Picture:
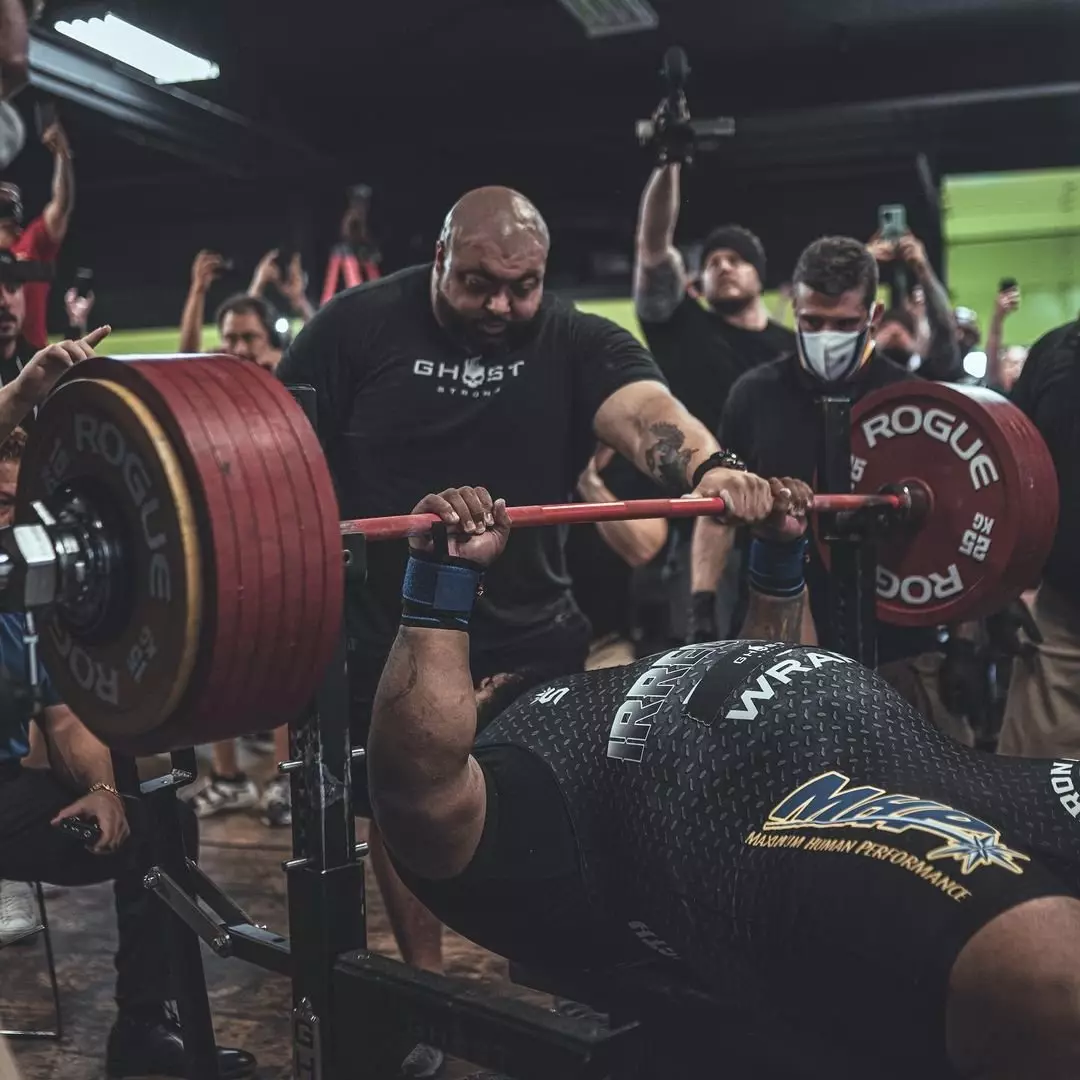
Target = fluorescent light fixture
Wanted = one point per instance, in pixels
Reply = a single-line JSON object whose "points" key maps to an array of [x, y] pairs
{"points": [[162, 61], [602, 18], [975, 364]]}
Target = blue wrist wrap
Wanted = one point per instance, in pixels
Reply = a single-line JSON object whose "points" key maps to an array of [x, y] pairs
{"points": [[776, 567], [439, 593]]}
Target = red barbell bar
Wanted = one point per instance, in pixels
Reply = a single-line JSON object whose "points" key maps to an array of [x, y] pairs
{"points": [[395, 528]]}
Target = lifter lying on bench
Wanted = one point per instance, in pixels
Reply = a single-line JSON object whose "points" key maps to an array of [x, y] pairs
{"points": [[775, 819]]}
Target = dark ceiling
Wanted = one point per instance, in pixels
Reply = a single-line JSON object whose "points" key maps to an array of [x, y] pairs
{"points": [[834, 100], [501, 81]]}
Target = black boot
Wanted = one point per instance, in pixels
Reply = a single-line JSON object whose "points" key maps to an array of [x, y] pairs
{"points": [[152, 1046]]}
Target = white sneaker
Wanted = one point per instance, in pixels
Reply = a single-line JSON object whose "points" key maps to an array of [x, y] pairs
{"points": [[277, 803], [18, 915], [423, 1062], [222, 796]]}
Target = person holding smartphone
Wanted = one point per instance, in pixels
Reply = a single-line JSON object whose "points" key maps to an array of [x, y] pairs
{"points": [[1003, 365], [41, 239], [896, 247]]}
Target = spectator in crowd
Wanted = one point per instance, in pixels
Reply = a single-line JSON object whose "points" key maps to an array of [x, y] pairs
{"points": [[1010, 366], [1003, 365], [292, 284], [705, 337], [79, 782], [40, 241], [897, 337], [901, 343], [77, 309], [771, 421], [1042, 714], [248, 324], [968, 331], [15, 350]]}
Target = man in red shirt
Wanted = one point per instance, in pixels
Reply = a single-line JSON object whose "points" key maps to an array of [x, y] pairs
{"points": [[40, 241]]}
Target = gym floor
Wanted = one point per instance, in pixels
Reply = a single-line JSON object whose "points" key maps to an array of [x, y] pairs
{"points": [[251, 1007]]}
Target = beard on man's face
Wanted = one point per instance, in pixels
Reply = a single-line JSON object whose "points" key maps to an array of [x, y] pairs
{"points": [[503, 336], [10, 327], [732, 305]]}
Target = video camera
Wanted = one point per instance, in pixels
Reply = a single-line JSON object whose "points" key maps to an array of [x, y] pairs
{"points": [[671, 134]]}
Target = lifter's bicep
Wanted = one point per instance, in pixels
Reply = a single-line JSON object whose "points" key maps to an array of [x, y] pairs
{"points": [[436, 836]]}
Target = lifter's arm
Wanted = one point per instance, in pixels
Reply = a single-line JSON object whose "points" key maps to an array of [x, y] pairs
{"points": [[427, 790], [773, 617], [659, 274]]}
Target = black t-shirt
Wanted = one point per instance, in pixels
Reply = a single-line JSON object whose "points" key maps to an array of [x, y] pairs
{"points": [[771, 420], [403, 410], [1048, 391], [702, 355]]}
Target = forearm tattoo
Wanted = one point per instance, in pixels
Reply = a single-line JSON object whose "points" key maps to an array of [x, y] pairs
{"points": [[772, 618], [666, 459], [658, 291]]}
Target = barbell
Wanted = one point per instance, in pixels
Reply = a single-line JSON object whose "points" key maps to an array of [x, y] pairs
{"points": [[177, 527]]}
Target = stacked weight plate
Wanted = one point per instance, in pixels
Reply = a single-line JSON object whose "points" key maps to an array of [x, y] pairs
{"points": [[254, 570]]}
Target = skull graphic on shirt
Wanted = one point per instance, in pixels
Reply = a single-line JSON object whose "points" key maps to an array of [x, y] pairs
{"points": [[474, 373]]}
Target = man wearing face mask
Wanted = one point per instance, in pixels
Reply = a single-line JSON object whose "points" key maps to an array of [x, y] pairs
{"points": [[772, 422]]}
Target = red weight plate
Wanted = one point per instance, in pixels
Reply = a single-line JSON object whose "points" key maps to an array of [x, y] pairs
{"points": [[322, 533], [317, 621], [124, 661], [258, 594], [205, 440], [994, 494], [296, 630], [322, 564], [269, 497]]}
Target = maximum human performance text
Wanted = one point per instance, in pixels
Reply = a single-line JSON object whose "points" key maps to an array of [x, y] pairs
{"points": [[918, 867]]}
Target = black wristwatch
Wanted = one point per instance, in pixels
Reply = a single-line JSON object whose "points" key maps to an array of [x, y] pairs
{"points": [[722, 459]]}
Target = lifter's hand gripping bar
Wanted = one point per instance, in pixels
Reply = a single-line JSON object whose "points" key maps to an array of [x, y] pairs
{"points": [[395, 528]]}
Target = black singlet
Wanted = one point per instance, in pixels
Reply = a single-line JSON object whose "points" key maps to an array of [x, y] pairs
{"points": [[775, 819]]}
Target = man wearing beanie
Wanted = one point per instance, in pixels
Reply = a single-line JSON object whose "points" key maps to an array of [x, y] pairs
{"points": [[703, 336]]}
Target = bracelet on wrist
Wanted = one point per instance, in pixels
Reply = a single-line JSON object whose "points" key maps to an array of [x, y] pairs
{"points": [[105, 787], [722, 459], [438, 593], [776, 567]]}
